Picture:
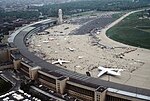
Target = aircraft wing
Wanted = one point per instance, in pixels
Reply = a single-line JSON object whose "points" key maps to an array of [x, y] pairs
{"points": [[101, 73], [113, 73], [113, 69], [101, 68], [65, 61], [54, 62]]}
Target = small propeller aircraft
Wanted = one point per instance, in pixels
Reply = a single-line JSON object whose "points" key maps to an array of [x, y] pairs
{"points": [[59, 61], [111, 71]]}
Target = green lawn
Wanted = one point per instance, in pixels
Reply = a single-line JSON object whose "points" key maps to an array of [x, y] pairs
{"points": [[132, 31]]}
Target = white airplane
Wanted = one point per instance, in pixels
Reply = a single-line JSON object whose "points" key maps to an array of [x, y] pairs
{"points": [[60, 61], [111, 71], [45, 41]]}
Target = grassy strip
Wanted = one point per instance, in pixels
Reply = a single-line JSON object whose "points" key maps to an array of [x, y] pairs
{"points": [[132, 31]]}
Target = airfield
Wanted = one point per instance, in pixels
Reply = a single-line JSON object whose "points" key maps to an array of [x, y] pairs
{"points": [[82, 41]]}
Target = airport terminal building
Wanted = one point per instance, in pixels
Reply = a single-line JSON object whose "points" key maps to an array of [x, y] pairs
{"points": [[57, 79]]}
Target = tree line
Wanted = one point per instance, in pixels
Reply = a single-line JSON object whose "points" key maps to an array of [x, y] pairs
{"points": [[20, 14], [99, 5]]}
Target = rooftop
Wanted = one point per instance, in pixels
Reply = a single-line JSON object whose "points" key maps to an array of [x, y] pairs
{"points": [[83, 83], [51, 73], [62, 78]]}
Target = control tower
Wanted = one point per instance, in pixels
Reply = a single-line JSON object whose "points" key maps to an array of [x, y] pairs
{"points": [[60, 19]]}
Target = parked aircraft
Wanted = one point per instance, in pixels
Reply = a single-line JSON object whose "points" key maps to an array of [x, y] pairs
{"points": [[111, 71], [59, 61]]}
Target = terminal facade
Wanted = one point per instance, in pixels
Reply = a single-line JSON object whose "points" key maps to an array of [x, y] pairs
{"points": [[83, 91]]}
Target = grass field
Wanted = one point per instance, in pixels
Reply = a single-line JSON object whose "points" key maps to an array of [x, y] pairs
{"points": [[133, 30]]}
